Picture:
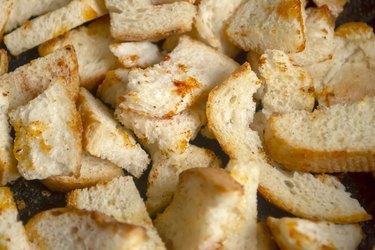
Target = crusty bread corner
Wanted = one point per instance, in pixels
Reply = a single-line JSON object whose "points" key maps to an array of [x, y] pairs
{"points": [[3, 62], [68, 228], [335, 6], [113, 87], [296, 233], [6, 7]]}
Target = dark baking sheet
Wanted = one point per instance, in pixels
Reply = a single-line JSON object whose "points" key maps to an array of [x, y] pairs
{"points": [[32, 197]]}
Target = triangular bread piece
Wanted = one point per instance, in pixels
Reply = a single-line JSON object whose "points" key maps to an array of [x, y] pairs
{"points": [[113, 87]]}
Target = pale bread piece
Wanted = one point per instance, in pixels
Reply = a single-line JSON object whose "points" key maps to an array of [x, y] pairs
{"points": [[166, 168], [168, 135], [93, 171], [204, 211], [48, 134], [113, 86], [30, 80], [335, 6], [104, 137], [268, 24], [264, 237], [3, 62], [68, 228], [12, 232], [141, 20], [120, 199], [210, 21], [91, 45], [300, 234], [185, 76], [136, 54], [6, 7], [53, 24], [286, 87], [335, 139]]}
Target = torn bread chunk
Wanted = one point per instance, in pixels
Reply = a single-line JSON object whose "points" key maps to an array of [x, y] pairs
{"points": [[93, 171], [295, 234], [53, 24], [120, 199], [91, 45], [142, 20], [30, 80], [335, 6], [268, 24], [68, 228], [48, 134], [186, 75], [335, 139], [208, 199], [6, 7], [113, 87], [105, 138], [136, 54], [3, 62], [166, 168]]}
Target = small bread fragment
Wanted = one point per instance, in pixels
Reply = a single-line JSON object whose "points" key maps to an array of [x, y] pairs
{"points": [[105, 138], [166, 168], [335, 139], [136, 54], [335, 6], [142, 20], [12, 232], [6, 7], [3, 62], [268, 24], [185, 76], [113, 86], [48, 134], [91, 45], [68, 228], [93, 171], [120, 199], [204, 211], [53, 24], [299, 234]]}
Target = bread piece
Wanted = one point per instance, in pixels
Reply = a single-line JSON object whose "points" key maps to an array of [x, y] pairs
{"points": [[185, 75], [166, 168], [335, 6], [141, 20], [3, 62], [68, 228], [210, 21], [12, 232], [204, 211], [91, 45], [120, 199], [30, 80], [113, 86], [286, 87], [268, 24], [93, 171], [53, 24], [295, 233], [264, 237], [48, 134], [6, 7], [171, 42], [105, 138], [136, 54]]}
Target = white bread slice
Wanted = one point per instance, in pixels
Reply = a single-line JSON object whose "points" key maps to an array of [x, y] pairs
{"points": [[104, 137], [53, 24], [12, 232], [48, 134], [204, 211], [268, 24], [93, 171], [335, 6], [210, 21], [185, 75], [166, 168], [120, 199], [30, 80], [23, 10], [6, 7], [68, 228], [91, 45], [286, 87], [168, 135], [113, 86], [335, 139], [136, 54], [3, 62], [141, 20], [296, 234]]}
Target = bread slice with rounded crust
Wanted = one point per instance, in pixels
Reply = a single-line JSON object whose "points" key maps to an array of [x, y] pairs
{"points": [[335, 6], [296, 234], [113, 87], [68, 228], [93, 171]]}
